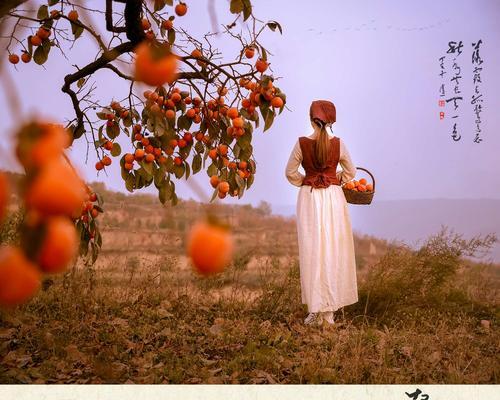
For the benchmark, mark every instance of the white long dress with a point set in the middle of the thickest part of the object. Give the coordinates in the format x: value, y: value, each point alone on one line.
x: 326, y: 244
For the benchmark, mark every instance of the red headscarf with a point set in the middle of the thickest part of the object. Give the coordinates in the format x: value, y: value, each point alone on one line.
x: 323, y: 110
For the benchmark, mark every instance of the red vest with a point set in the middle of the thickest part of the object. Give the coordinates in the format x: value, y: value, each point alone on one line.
x: 315, y: 175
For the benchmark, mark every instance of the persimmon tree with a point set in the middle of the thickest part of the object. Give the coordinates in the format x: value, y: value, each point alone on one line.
x: 203, y: 118
x: 198, y: 113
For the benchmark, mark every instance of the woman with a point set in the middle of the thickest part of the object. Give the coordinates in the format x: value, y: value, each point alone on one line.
x: 326, y: 244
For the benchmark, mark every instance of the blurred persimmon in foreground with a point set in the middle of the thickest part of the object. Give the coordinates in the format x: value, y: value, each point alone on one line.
x: 4, y: 194
x: 210, y: 247
x: 59, y: 245
x: 38, y: 143
x: 55, y: 198
x: 56, y: 190
x: 19, y: 277
x: 155, y: 64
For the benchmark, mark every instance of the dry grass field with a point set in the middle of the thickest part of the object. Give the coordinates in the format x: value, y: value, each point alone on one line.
x: 142, y: 315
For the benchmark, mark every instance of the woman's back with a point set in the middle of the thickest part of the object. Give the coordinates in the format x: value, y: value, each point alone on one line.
x: 316, y: 175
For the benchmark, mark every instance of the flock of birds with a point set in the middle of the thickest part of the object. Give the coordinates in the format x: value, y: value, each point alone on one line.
x: 369, y: 27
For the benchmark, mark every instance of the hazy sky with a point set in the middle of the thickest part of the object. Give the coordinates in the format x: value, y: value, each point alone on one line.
x: 378, y: 61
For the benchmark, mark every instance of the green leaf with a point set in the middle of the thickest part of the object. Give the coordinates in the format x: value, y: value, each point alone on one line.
x: 196, y: 164
x: 98, y: 239
x: 169, y: 165
x: 77, y: 133
x: 83, y: 247
x: 130, y: 183
x: 112, y: 131
x: 273, y: 25
x: 252, y: 167
x: 239, y: 181
x: 80, y: 82
x: 236, y: 150
x: 48, y: 24
x: 43, y: 12
x: 159, y: 4
x: 240, y: 192
x: 246, y: 153
x: 212, y: 169
x: 165, y: 192
x: 283, y: 96
x: 231, y: 178
x: 139, y: 181
x: 263, y: 53
x: 199, y: 147
x: 269, y: 120
x: 248, y: 128
x: 159, y: 176
x: 123, y: 172
x: 264, y: 110
x: 99, y: 132
x: 236, y: 6
x: 42, y: 52
x: 214, y: 195
x: 160, y: 127
x: 256, y: 120
x: 116, y: 150
x: 148, y: 167
x: 76, y: 29
x: 30, y: 46
x: 179, y: 170
x: 171, y: 36
x: 265, y: 80
x: 250, y: 180
x: 102, y: 115
x: 174, y: 199
x: 127, y: 122
x: 181, y: 106
x: 184, y: 123
x: 188, y: 170
x: 243, y: 143
x: 52, y: 2
x: 244, y: 113
x: 247, y: 9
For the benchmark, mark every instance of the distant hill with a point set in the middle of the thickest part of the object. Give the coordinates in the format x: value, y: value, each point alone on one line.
x: 140, y: 220
x: 412, y: 220
x: 395, y: 220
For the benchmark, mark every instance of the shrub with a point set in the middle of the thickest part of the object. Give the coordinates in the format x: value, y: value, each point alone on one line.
x: 405, y: 278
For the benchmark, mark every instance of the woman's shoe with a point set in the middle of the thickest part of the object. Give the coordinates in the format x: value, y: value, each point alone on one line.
x: 328, y: 317
x: 313, y: 319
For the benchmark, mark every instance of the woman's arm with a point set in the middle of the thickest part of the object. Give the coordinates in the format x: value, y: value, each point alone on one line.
x: 348, y: 168
x: 292, y: 167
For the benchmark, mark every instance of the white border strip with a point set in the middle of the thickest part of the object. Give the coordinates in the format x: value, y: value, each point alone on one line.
x: 249, y: 392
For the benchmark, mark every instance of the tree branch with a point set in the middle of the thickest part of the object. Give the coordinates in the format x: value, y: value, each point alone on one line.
x: 135, y: 34
x: 118, y: 72
x: 132, y: 14
x: 89, y: 69
x: 109, y: 19
x: 8, y: 5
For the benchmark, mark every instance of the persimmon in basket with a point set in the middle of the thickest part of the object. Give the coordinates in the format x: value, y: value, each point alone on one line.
x: 359, y: 186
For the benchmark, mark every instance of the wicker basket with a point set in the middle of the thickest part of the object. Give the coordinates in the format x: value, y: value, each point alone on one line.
x: 354, y: 197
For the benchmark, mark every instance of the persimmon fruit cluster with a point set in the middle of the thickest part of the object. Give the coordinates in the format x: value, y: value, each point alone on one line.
x: 359, y: 185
